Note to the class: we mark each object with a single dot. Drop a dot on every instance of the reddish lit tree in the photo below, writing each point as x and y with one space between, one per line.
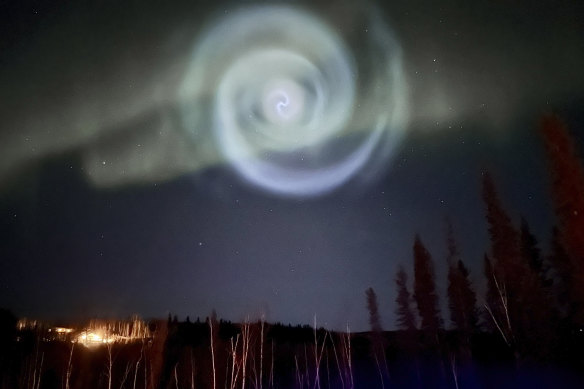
516 302
530 251
504 238
567 176
505 271
561 274
537 319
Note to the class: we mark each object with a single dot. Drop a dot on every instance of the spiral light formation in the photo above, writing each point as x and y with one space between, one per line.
291 108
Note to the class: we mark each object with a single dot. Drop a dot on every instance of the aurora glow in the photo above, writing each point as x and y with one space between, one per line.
280 88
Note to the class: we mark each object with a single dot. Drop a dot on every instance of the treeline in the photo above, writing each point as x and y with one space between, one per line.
210 353
534 301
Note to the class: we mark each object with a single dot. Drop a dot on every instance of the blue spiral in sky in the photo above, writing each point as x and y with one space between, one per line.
293 107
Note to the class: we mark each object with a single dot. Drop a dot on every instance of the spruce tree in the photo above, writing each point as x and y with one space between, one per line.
406 320
530 250
376 335
520 308
372 307
461 296
496 316
561 274
567 176
504 238
462 299
425 288
503 271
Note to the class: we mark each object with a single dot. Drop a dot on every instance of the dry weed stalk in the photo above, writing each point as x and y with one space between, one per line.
298 374
138 365
192 370
110 364
211 324
502 293
453 369
234 363
69 368
338 364
36 368
246 338
272 367
318 355
262 351
126 373
347 356
175 377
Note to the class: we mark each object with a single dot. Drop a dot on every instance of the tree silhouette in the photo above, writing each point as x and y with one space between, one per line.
504 273
561 274
531 252
567 176
538 320
378 346
493 301
425 288
504 238
372 307
406 319
539 266
516 300
461 296
462 299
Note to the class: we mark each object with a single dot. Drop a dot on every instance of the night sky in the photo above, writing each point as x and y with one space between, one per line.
207 155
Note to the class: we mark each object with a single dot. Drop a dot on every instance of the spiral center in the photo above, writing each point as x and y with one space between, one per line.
283 102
